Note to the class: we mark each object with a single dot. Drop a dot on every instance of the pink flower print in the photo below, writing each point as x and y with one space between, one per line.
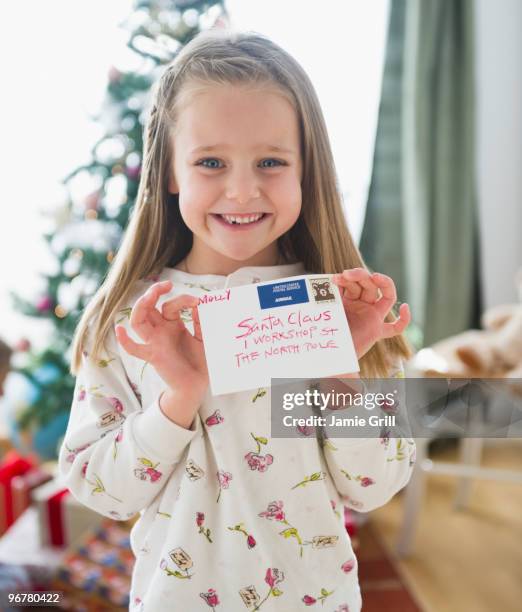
84 468
310 601
153 474
81 394
259 462
117 440
214 419
342 608
148 471
73 452
274 511
250 596
274 576
116 404
250 538
305 430
348 566
365 481
200 519
211 597
224 479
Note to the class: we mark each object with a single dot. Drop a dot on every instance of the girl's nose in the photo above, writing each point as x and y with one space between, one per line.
242 187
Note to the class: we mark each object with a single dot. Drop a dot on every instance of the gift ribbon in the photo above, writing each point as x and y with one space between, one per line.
12 465
55 517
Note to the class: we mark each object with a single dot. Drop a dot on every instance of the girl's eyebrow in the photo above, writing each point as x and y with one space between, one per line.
276 148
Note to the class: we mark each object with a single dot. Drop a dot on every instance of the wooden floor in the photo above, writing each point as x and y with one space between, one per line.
465 560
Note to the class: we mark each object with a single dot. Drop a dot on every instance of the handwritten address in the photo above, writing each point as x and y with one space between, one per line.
274 336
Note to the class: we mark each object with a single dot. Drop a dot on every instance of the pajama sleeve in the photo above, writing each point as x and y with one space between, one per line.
116 456
368 472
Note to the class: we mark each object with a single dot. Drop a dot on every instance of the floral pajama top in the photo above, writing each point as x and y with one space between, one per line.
231 519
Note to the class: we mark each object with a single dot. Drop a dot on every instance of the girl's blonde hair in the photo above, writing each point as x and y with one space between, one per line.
157 235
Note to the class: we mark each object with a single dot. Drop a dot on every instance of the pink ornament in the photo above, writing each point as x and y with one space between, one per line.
44 304
133 172
22 346
114 74
348 566
309 600
251 541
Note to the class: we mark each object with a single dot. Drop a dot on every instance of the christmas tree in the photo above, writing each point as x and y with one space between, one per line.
87 235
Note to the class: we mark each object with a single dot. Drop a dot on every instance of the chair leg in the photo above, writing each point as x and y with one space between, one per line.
470 454
413 496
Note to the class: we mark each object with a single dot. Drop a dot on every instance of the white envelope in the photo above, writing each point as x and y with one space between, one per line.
287 328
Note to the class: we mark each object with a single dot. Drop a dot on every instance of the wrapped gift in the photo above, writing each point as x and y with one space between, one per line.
98 568
62 518
12 465
23 486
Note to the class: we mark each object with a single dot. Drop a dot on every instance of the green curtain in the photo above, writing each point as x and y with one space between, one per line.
421 224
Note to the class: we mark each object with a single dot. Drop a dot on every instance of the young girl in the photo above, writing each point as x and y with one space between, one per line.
238 186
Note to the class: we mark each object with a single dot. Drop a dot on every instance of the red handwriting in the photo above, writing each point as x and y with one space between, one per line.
222 297
291 334
270 322
298 318
329 331
245 358
250 326
289 349
312 346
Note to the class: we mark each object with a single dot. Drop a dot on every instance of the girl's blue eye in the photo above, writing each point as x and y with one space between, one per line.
272 163
215 164
210 159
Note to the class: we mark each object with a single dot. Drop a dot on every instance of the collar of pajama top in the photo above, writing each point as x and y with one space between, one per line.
242 276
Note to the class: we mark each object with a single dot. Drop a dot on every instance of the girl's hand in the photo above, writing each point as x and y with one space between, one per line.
176 355
367 299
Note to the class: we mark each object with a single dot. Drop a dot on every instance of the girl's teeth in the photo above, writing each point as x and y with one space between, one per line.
240 220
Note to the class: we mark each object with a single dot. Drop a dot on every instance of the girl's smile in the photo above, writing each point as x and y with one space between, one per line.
240 221
237 169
